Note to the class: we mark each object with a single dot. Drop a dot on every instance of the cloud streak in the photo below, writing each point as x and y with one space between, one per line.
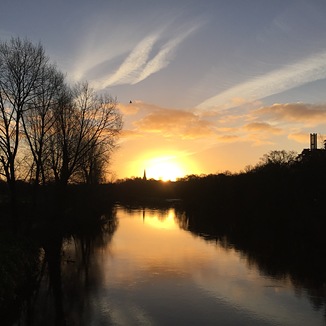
128 70
163 57
142 60
308 70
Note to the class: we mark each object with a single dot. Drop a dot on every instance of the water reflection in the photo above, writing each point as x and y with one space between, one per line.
299 267
69 273
155 266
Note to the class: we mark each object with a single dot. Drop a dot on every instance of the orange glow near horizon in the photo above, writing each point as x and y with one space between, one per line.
166 168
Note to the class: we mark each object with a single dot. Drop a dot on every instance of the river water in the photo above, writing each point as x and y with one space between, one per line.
149 270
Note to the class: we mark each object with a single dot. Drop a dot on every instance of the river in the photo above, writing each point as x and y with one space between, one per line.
148 269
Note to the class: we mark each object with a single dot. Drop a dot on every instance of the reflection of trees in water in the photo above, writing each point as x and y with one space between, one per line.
282 256
72 275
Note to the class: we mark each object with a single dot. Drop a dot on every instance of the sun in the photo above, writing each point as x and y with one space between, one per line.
165 169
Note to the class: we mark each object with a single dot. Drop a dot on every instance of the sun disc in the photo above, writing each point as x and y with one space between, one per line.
164 169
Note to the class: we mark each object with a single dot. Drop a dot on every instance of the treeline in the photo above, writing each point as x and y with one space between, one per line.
50 132
282 180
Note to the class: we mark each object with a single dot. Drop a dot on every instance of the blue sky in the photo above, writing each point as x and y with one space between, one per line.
214 84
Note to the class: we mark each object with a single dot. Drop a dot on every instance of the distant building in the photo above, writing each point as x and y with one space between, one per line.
313 152
144 176
313 142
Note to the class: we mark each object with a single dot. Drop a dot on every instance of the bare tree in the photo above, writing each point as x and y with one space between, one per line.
21 66
93 165
86 128
278 158
38 120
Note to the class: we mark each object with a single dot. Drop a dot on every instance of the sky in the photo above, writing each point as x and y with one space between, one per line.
213 84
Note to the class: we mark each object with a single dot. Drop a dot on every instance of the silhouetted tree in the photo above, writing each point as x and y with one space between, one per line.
21 67
85 123
39 119
92 168
278 157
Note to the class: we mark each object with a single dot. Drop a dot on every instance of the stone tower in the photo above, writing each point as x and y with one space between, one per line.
313 142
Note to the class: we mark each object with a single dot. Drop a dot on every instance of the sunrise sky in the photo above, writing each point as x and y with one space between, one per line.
214 84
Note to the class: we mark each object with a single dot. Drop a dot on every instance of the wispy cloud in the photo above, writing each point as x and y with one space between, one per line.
142 60
128 71
163 57
310 69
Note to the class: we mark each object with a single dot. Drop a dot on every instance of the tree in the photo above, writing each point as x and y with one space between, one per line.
85 129
38 120
21 66
69 132
93 166
278 158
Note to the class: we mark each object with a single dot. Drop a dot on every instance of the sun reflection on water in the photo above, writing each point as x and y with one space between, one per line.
160 222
